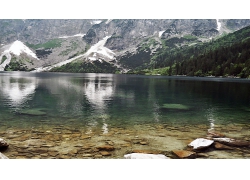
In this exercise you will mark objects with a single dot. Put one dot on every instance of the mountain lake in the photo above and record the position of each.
(68, 115)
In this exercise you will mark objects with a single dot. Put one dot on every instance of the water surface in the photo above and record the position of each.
(100, 103)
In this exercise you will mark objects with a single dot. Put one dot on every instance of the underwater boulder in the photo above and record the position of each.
(33, 112)
(175, 107)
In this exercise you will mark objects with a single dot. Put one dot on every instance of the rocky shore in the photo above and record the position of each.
(147, 141)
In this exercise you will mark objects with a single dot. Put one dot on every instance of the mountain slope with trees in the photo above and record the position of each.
(225, 56)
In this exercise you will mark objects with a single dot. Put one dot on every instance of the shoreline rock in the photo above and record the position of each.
(145, 156)
(2, 156)
(232, 142)
(220, 146)
(185, 154)
(200, 143)
(106, 148)
(3, 143)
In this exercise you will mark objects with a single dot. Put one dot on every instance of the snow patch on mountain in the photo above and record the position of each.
(96, 22)
(160, 33)
(15, 48)
(76, 35)
(218, 24)
(108, 21)
(18, 47)
(96, 52)
(99, 50)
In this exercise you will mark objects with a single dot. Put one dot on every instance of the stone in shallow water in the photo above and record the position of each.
(33, 112)
(98, 156)
(53, 153)
(143, 143)
(175, 106)
(218, 145)
(105, 153)
(87, 155)
(3, 143)
(232, 142)
(145, 151)
(215, 135)
(200, 143)
(184, 154)
(106, 148)
(145, 156)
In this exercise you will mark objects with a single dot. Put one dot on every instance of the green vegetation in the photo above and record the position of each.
(226, 56)
(86, 67)
(3, 59)
(50, 44)
(190, 37)
(18, 64)
(145, 46)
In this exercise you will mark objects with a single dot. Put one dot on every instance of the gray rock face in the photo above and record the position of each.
(40, 31)
(126, 36)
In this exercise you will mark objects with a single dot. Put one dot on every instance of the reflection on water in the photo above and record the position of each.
(16, 91)
(211, 119)
(104, 100)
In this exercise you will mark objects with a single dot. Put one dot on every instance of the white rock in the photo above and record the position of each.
(145, 156)
(201, 143)
(2, 156)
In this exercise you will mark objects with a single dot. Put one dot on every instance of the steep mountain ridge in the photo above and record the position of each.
(129, 43)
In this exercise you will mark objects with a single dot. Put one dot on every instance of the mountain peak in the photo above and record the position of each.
(18, 47)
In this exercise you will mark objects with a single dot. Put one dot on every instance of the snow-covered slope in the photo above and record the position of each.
(218, 24)
(15, 48)
(76, 35)
(18, 47)
(96, 53)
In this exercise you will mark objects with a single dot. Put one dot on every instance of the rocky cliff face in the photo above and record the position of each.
(128, 40)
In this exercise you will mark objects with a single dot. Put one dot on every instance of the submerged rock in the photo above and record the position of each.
(145, 151)
(184, 154)
(145, 156)
(201, 143)
(105, 153)
(2, 156)
(232, 142)
(215, 135)
(218, 145)
(3, 143)
(33, 112)
(175, 106)
(106, 148)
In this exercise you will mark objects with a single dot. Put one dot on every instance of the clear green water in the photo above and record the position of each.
(121, 100)
(100, 102)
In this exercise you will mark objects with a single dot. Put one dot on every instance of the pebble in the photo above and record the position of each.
(98, 156)
(87, 155)
(53, 153)
(143, 143)
(44, 154)
(105, 153)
